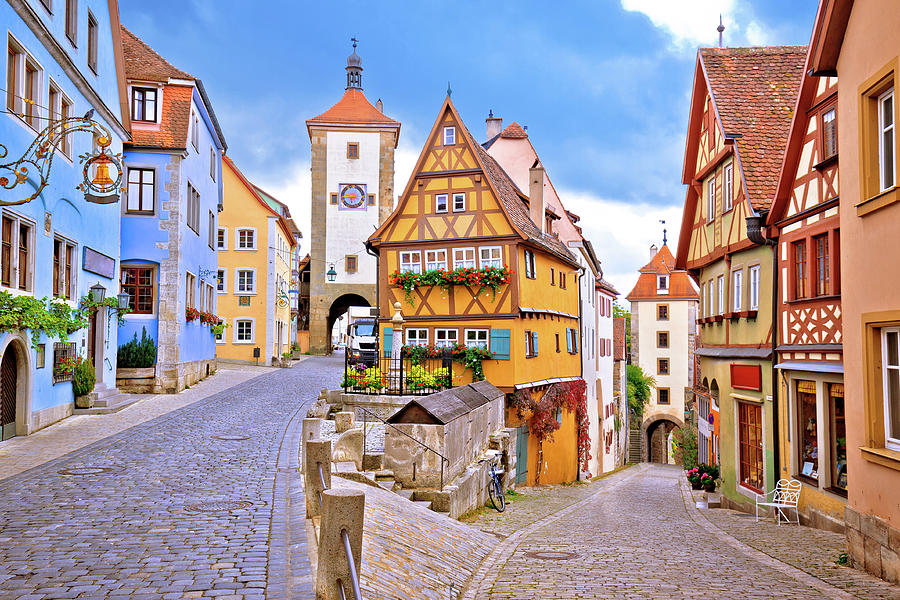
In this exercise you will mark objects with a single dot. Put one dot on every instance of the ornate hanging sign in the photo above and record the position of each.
(98, 186)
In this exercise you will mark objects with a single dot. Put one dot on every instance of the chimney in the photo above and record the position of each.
(494, 125)
(536, 195)
(380, 105)
(653, 251)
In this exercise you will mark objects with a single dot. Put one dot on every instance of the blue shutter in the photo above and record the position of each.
(387, 340)
(568, 339)
(575, 337)
(500, 343)
(534, 342)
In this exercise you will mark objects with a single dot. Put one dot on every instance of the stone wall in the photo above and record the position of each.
(170, 305)
(873, 545)
(170, 379)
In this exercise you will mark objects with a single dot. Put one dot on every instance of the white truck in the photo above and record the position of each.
(362, 335)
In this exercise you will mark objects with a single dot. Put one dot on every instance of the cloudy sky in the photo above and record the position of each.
(603, 86)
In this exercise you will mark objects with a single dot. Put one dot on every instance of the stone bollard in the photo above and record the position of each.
(342, 510)
(312, 430)
(343, 421)
(316, 452)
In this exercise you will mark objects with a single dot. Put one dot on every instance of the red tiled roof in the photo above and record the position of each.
(514, 130)
(754, 91)
(662, 263)
(142, 61)
(353, 107)
(172, 130)
(607, 287)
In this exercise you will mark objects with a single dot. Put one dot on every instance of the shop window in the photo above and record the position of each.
(751, 446)
(807, 431)
(838, 431)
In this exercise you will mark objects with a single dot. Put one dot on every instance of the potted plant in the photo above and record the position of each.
(83, 380)
(296, 351)
(707, 482)
(694, 476)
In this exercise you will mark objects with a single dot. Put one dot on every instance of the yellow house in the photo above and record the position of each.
(461, 215)
(255, 242)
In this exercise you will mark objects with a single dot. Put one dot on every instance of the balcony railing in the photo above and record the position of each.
(383, 375)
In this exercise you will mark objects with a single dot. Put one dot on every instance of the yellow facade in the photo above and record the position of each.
(254, 248)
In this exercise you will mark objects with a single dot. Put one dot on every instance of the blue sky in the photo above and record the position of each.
(602, 85)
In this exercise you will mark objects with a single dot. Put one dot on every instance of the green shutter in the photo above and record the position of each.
(387, 340)
(568, 339)
(534, 342)
(500, 343)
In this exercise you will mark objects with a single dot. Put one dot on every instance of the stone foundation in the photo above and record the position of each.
(49, 416)
(873, 545)
(164, 379)
(383, 406)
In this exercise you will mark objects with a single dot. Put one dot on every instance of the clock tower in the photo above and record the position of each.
(352, 168)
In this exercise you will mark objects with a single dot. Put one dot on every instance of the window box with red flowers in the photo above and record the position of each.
(482, 279)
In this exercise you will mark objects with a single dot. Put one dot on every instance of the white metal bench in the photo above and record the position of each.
(785, 496)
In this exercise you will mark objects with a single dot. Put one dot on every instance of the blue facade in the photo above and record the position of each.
(60, 72)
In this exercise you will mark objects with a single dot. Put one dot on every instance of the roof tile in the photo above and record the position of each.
(142, 61)
(662, 263)
(353, 107)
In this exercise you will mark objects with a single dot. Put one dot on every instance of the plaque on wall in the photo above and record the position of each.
(101, 264)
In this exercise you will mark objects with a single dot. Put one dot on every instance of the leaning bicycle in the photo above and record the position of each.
(495, 484)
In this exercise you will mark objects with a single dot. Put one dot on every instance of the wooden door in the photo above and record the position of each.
(92, 339)
(522, 455)
(8, 392)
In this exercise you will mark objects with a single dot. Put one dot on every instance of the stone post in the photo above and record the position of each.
(312, 430)
(396, 344)
(342, 510)
(316, 453)
(344, 421)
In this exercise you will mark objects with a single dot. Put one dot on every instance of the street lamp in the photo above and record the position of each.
(124, 298)
(98, 292)
(331, 274)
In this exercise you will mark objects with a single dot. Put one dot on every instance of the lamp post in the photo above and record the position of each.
(98, 292)
(124, 299)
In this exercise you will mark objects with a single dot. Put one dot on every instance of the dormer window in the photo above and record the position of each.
(143, 104)
(662, 284)
(449, 136)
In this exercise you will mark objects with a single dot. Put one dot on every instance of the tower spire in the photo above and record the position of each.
(354, 69)
(664, 230)
(720, 29)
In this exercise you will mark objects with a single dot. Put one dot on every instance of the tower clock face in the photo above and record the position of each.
(353, 196)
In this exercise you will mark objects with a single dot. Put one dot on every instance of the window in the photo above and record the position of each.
(531, 343)
(193, 209)
(222, 239)
(562, 280)
(662, 312)
(190, 290)
(370, 200)
(710, 290)
(72, 21)
(31, 93)
(141, 191)
(243, 331)
(711, 199)
(350, 263)
(210, 297)
(464, 258)
(138, 282)
(334, 198)
(220, 337)
(823, 278)
(63, 268)
(829, 133)
(662, 339)
(416, 337)
(552, 276)
(440, 203)
(445, 338)
(571, 340)
(449, 136)
(886, 158)
(662, 395)
(721, 284)
(754, 287)
(410, 262)
(352, 149)
(477, 338)
(491, 256)
(838, 431)
(662, 284)
(529, 264)
(548, 223)
(728, 187)
(459, 202)
(62, 351)
(212, 231)
(750, 442)
(435, 260)
(12, 65)
(557, 342)
(60, 108)
(246, 239)
(40, 357)
(195, 131)
(212, 163)
(221, 281)
(807, 430)
(143, 104)
(799, 253)
(662, 366)
(890, 356)
(17, 253)
(245, 281)
(92, 42)
(737, 290)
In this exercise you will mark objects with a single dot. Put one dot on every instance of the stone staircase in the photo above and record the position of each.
(634, 444)
(108, 400)
(384, 479)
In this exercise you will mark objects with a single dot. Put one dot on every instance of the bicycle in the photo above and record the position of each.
(495, 486)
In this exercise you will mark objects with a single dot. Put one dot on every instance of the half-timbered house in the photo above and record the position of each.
(459, 211)
(809, 344)
(740, 115)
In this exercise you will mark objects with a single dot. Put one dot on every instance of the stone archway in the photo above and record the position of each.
(20, 377)
(339, 307)
(654, 434)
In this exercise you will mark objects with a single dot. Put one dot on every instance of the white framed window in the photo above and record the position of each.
(737, 289)
(446, 338)
(886, 148)
(212, 231)
(220, 337)
(662, 284)
(490, 256)
(710, 307)
(212, 163)
(477, 338)
(754, 287)
(141, 196)
(410, 261)
(193, 208)
(222, 238)
(190, 289)
(435, 259)
(728, 187)
(65, 266)
(440, 203)
(17, 257)
(459, 202)
(464, 258)
(222, 281)
(60, 108)
(416, 337)
(245, 281)
(195, 131)
(449, 136)
(711, 199)
(720, 282)
(890, 359)
(246, 238)
(244, 331)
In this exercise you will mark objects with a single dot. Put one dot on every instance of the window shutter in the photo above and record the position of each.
(534, 342)
(569, 340)
(575, 340)
(500, 343)
(387, 340)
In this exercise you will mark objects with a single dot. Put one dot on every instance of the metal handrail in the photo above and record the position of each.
(322, 482)
(444, 459)
(354, 578)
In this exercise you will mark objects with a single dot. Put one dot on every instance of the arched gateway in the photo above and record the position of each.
(655, 432)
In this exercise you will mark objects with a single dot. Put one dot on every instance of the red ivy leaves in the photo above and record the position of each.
(568, 395)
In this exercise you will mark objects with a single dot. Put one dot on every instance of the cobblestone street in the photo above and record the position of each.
(190, 504)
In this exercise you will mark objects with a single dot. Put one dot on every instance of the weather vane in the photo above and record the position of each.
(663, 221)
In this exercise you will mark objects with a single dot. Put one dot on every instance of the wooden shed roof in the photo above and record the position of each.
(448, 405)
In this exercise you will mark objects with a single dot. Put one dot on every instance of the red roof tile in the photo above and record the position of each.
(172, 130)
(662, 263)
(754, 91)
(142, 61)
(514, 130)
(353, 107)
